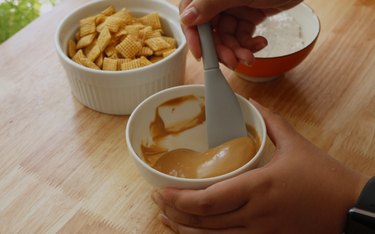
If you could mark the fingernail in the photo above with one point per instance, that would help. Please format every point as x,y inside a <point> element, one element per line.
<point>189,16</point>
<point>248,63</point>
<point>261,45</point>
<point>156,197</point>
<point>245,62</point>
<point>164,219</point>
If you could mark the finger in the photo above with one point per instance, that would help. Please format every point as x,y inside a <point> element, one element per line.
<point>222,197</point>
<point>276,10</point>
<point>183,4</point>
<point>262,4</point>
<point>254,44</point>
<point>225,54</point>
<point>289,4</point>
<point>227,24</point>
<point>191,34</point>
<point>202,11</point>
<point>244,33</point>
<point>201,202</point>
<point>227,28</point>
<point>237,35</point>
<point>281,133</point>
<point>179,228</point>
<point>226,220</point>
<point>242,54</point>
<point>193,41</point>
<point>254,16</point>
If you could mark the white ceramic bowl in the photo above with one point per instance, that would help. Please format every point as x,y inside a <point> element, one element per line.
<point>137,131</point>
<point>119,92</point>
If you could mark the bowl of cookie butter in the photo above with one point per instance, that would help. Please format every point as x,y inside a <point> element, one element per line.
<point>166,137</point>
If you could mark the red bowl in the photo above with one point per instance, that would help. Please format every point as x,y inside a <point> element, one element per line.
<point>268,68</point>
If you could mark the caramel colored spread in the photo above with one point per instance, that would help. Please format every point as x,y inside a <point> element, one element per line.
<point>217,161</point>
<point>187,163</point>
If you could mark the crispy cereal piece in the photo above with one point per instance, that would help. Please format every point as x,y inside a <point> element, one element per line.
<point>109,11</point>
<point>160,52</point>
<point>110,50</point>
<point>145,32</point>
<point>168,52</point>
<point>99,60</point>
<point>121,61</point>
<point>121,33</point>
<point>110,64</point>
<point>116,40</point>
<point>94,52</point>
<point>100,18</point>
<point>152,20</point>
<point>77,36</point>
<point>157,43</point>
<point>112,23</point>
<point>86,40</point>
<point>144,61</point>
<point>154,33</point>
<point>87,26</point>
<point>134,29</point>
<point>80,58</point>
<point>145,51</point>
<point>72,48</point>
<point>114,56</point>
<point>160,30</point>
<point>155,59</point>
<point>171,41</point>
<point>136,63</point>
<point>125,15</point>
<point>129,47</point>
<point>104,39</point>
<point>88,63</point>
<point>87,49</point>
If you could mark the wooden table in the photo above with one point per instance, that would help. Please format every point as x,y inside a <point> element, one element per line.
<point>65,168</point>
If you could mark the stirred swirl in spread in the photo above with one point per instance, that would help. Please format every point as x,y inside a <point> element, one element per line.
<point>170,121</point>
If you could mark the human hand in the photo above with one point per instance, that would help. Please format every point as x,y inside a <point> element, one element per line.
<point>233,25</point>
<point>302,190</point>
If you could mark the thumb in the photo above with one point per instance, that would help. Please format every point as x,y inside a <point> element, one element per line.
<point>279,130</point>
<point>195,12</point>
<point>201,11</point>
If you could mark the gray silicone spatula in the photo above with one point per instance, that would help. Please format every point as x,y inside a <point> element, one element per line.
<point>223,113</point>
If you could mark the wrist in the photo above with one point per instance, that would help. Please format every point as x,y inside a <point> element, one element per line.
<point>361,218</point>
<point>348,189</point>
<point>362,181</point>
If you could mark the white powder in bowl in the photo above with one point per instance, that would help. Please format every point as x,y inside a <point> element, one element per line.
<point>283,33</point>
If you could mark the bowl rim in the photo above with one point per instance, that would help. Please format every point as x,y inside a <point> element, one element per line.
<point>315,17</point>
<point>228,175</point>
<point>182,47</point>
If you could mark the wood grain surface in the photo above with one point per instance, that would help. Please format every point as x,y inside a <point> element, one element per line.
<point>64,168</point>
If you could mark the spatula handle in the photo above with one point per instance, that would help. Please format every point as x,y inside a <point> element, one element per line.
<point>209,55</point>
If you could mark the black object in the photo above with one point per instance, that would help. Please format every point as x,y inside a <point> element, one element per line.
<point>361,218</point>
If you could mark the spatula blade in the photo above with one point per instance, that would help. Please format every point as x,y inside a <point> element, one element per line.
<point>223,112</point>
